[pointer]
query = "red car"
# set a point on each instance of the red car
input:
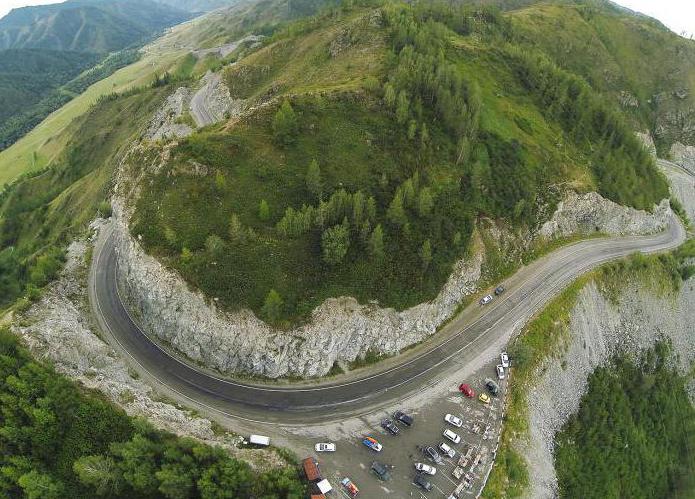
(466, 390)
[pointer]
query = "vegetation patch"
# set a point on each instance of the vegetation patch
(544, 337)
(60, 441)
(634, 434)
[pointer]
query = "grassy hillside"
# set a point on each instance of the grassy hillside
(634, 60)
(386, 133)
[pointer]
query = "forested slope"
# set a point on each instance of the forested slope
(386, 133)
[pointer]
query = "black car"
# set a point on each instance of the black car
(381, 471)
(403, 418)
(499, 290)
(433, 454)
(492, 387)
(422, 482)
(390, 426)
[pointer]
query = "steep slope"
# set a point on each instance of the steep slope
(373, 141)
(27, 75)
(86, 25)
(636, 61)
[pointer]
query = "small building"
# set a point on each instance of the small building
(324, 486)
(311, 469)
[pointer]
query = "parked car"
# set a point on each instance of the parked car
(373, 444)
(448, 451)
(499, 290)
(422, 482)
(390, 426)
(350, 487)
(505, 359)
(425, 468)
(433, 455)
(484, 398)
(492, 387)
(486, 299)
(403, 418)
(453, 420)
(325, 447)
(467, 390)
(500, 371)
(451, 436)
(381, 471)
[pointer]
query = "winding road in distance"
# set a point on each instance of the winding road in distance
(470, 333)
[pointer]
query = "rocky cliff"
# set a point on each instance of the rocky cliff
(341, 329)
(598, 330)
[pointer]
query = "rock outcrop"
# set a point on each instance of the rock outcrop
(590, 213)
(341, 329)
(165, 122)
(684, 156)
(599, 330)
(212, 102)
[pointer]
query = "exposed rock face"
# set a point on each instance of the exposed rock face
(590, 213)
(164, 123)
(212, 103)
(340, 329)
(600, 330)
(684, 156)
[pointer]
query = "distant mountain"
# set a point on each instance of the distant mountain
(87, 25)
(198, 5)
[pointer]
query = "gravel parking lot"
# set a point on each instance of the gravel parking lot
(475, 453)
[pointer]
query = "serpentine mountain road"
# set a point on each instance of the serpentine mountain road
(473, 331)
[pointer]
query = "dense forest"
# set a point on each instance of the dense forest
(634, 434)
(59, 441)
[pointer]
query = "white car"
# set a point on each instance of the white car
(451, 436)
(425, 468)
(448, 451)
(486, 299)
(505, 359)
(325, 447)
(500, 372)
(453, 420)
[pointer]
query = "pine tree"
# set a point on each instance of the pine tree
(272, 307)
(264, 210)
(313, 179)
(285, 124)
(402, 108)
(426, 254)
(335, 243)
(425, 202)
(376, 242)
(396, 211)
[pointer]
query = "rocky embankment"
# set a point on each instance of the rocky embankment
(598, 330)
(341, 329)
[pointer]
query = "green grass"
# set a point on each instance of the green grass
(360, 146)
(42, 213)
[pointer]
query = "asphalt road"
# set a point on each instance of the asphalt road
(472, 332)
(201, 107)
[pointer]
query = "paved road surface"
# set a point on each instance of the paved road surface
(202, 109)
(473, 331)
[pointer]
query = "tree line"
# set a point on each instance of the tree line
(60, 441)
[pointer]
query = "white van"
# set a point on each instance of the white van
(259, 440)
